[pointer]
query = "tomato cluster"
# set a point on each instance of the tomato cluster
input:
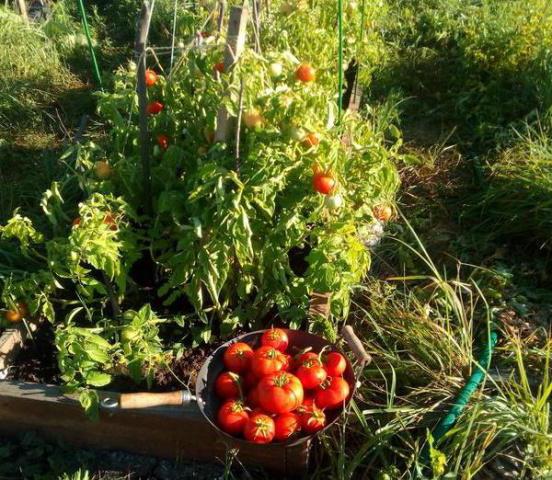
(269, 394)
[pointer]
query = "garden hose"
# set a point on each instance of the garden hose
(446, 423)
(95, 67)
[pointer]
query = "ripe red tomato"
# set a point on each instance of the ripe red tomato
(311, 140)
(232, 417)
(219, 67)
(253, 119)
(288, 362)
(259, 428)
(154, 107)
(103, 169)
(335, 364)
(18, 314)
(305, 73)
(237, 357)
(286, 425)
(228, 385)
(323, 183)
(275, 337)
(332, 393)
(266, 361)
(111, 220)
(383, 212)
(311, 373)
(280, 393)
(312, 419)
(303, 357)
(163, 141)
(151, 77)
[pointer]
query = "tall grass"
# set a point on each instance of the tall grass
(422, 331)
(517, 200)
(32, 73)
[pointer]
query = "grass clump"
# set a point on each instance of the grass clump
(425, 333)
(33, 73)
(516, 202)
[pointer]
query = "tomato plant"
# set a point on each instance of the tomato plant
(217, 251)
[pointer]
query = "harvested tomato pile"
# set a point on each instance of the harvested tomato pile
(271, 395)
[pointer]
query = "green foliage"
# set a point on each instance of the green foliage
(515, 202)
(32, 71)
(232, 236)
(477, 65)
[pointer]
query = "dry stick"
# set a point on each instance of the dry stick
(220, 20)
(235, 43)
(112, 296)
(173, 32)
(141, 39)
(257, 25)
(156, 58)
(23, 10)
(238, 127)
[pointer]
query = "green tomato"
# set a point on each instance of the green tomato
(276, 69)
(333, 202)
(129, 334)
(297, 133)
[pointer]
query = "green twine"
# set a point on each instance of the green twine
(95, 68)
(340, 57)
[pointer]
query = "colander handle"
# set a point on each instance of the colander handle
(356, 345)
(148, 400)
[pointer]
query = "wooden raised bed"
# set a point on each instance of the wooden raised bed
(170, 432)
(11, 341)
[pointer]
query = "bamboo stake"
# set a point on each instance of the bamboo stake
(23, 10)
(235, 43)
(238, 127)
(140, 51)
(220, 20)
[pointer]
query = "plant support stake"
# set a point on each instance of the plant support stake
(141, 39)
(95, 68)
(340, 57)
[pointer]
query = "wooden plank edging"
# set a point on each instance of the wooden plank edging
(167, 432)
(11, 342)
